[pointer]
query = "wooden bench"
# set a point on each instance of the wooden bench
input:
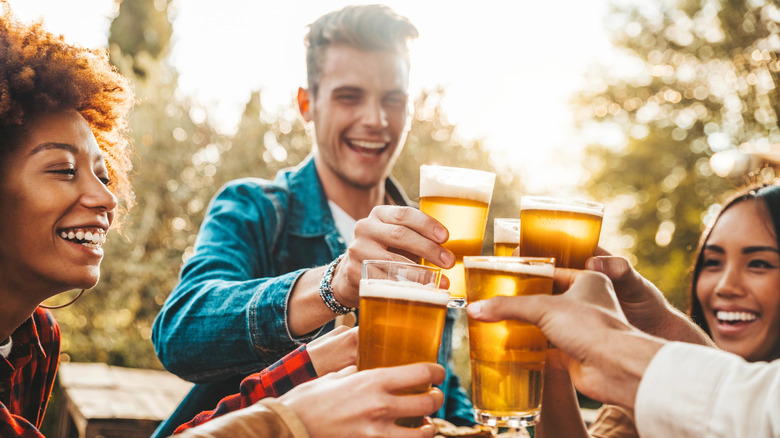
(115, 402)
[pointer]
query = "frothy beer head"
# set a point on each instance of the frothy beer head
(403, 290)
(509, 265)
(561, 205)
(506, 230)
(456, 182)
(565, 229)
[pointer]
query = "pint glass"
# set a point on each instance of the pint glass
(566, 230)
(507, 357)
(506, 236)
(459, 199)
(402, 315)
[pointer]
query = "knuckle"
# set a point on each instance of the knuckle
(397, 233)
(402, 213)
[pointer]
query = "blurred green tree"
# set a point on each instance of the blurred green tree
(176, 155)
(702, 80)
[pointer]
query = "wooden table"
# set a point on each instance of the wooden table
(109, 401)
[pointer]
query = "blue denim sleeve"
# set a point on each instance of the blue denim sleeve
(228, 314)
(457, 407)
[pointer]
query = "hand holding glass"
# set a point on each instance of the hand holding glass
(402, 315)
(507, 357)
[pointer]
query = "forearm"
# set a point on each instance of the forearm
(237, 326)
(678, 327)
(620, 365)
(266, 419)
(654, 315)
(560, 415)
(306, 310)
(274, 381)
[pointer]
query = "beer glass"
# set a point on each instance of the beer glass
(402, 315)
(567, 230)
(507, 357)
(459, 199)
(506, 236)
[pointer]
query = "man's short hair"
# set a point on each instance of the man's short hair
(365, 27)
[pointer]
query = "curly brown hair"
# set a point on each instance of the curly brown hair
(41, 73)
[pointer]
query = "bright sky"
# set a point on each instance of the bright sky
(508, 67)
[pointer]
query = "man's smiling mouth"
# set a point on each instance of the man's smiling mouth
(368, 147)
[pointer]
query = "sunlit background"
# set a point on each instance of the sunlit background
(657, 108)
(508, 68)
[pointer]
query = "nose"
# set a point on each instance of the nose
(375, 115)
(730, 283)
(97, 195)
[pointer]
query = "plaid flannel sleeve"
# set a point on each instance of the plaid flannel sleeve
(274, 381)
(13, 426)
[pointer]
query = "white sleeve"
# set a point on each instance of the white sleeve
(694, 391)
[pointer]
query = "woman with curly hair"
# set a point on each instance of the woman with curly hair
(64, 162)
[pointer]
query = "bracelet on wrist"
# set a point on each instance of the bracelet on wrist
(326, 290)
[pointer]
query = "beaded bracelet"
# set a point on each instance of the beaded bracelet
(326, 290)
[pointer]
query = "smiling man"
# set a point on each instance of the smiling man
(276, 262)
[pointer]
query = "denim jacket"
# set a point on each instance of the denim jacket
(228, 314)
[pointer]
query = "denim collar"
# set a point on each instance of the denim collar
(309, 213)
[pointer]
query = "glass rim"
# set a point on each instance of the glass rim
(541, 266)
(511, 259)
(397, 263)
(435, 270)
(551, 200)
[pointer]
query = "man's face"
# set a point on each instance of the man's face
(359, 114)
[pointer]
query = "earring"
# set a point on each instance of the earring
(63, 305)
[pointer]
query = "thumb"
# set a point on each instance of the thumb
(616, 268)
(630, 286)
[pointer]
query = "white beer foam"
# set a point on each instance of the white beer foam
(504, 264)
(506, 231)
(403, 290)
(530, 203)
(456, 182)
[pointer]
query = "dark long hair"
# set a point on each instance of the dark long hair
(768, 194)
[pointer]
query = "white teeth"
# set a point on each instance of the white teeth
(94, 238)
(368, 144)
(735, 316)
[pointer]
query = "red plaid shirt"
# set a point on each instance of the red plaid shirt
(27, 375)
(282, 376)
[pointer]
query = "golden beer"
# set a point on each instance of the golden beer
(507, 357)
(459, 199)
(506, 236)
(401, 322)
(565, 230)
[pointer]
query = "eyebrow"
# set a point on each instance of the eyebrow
(50, 145)
(748, 250)
(357, 89)
(347, 88)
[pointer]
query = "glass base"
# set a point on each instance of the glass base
(457, 303)
(512, 421)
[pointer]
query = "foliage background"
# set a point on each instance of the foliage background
(704, 83)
